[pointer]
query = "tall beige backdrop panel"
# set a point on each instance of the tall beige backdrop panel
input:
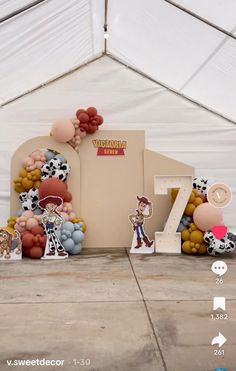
(109, 185)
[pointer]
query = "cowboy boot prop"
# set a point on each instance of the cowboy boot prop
(139, 243)
(147, 242)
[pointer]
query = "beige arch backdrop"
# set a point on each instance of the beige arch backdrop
(105, 188)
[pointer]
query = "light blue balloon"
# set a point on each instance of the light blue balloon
(63, 237)
(78, 226)
(19, 212)
(77, 236)
(38, 211)
(68, 233)
(60, 157)
(49, 155)
(69, 226)
(76, 250)
(68, 244)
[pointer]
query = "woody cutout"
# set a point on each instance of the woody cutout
(137, 220)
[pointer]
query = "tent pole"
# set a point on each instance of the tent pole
(51, 81)
(21, 10)
(105, 25)
(220, 29)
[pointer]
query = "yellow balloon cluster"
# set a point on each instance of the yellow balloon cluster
(11, 222)
(193, 202)
(193, 240)
(79, 220)
(27, 180)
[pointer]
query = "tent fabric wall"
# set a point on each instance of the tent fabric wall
(174, 127)
(176, 49)
(46, 41)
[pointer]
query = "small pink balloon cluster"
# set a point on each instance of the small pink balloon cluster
(27, 221)
(78, 136)
(34, 161)
(74, 130)
(66, 211)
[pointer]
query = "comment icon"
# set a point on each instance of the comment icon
(219, 267)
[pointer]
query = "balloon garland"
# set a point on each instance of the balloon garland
(72, 131)
(199, 221)
(45, 173)
(52, 171)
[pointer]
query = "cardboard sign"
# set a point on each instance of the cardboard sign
(141, 243)
(110, 147)
(10, 245)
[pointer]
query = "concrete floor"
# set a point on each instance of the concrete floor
(118, 312)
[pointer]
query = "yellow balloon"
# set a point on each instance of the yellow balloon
(189, 209)
(203, 249)
(195, 192)
(27, 180)
(11, 222)
(23, 173)
(185, 235)
(198, 201)
(193, 227)
(186, 247)
(191, 198)
(196, 237)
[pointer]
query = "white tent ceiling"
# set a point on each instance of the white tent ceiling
(186, 45)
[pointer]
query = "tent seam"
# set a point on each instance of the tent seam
(22, 10)
(50, 81)
(204, 20)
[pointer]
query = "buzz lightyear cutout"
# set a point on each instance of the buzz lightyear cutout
(141, 244)
(52, 221)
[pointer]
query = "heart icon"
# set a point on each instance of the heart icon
(219, 231)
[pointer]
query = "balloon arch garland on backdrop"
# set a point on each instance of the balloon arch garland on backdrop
(45, 172)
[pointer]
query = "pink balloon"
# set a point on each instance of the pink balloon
(31, 223)
(19, 228)
(206, 216)
(63, 130)
(27, 214)
(65, 216)
(72, 216)
(80, 133)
